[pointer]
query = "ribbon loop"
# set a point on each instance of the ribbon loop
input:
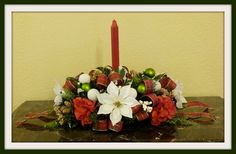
(102, 81)
(149, 86)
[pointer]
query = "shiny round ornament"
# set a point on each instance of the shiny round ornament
(133, 93)
(141, 88)
(84, 78)
(150, 72)
(92, 94)
(86, 87)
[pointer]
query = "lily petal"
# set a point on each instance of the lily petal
(115, 116)
(105, 98)
(113, 90)
(126, 111)
(105, 109)
(58, 100)
(179, 104)
(130, 101)
(133, 93)
(182, 99)
(57, 89)
(124, 92)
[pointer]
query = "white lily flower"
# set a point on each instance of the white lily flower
(178, 94)
(58, 90)
(117, 102)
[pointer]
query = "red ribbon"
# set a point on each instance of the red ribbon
(100, 125)
(196, 103)
(136, 108)
(203, 116)
(117, 127)
(36, 115)
(104, 125)
(70, 85)
(114, 76)
(102, 81)
(149, 86)
(152, 97)
(142, 115)
(167, 83)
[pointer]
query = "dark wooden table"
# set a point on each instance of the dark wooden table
(141, 133)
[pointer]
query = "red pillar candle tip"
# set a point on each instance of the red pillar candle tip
(115, 45)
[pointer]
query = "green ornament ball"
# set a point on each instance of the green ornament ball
(150, 72)
(141, 88)
(86, 87)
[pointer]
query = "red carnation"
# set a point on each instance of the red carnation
(82, 110)
(164, 110)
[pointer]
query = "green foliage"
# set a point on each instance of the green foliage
(105, 70)
(136, 80)
(82, 94)
(68, 95)
(159, 76)
(122, 72)
(51, 125)
(71, 79)
(70, 120)
(180, 121)
(93, 117)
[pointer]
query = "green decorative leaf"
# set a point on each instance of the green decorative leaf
(106, 71)
(72, 79)
(68, 95)
(158, 77)
(93, 117)
(70, 120)
(51, 125)
(100, 68)
(122, 72)
(180, 121)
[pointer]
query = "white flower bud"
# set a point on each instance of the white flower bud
(92, 94)
(144, 107)
(146, 102)
(84, 78)
(149, 109)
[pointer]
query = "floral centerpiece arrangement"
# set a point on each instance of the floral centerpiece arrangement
(113, 98)
(107, 99)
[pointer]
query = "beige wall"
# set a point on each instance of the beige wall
(48, 47)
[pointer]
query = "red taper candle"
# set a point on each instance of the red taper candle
(115, 45)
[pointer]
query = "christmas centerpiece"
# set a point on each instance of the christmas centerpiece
(115, 97)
